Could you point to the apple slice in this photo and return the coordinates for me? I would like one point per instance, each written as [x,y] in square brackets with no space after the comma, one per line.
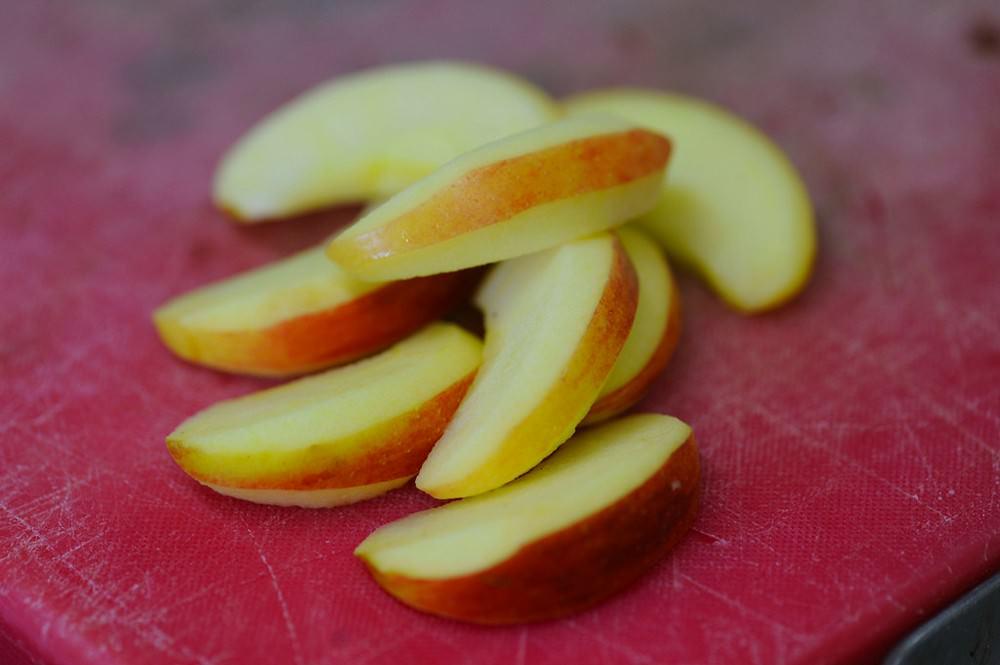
[582,526]
[300,314]
[368,135]
[515,196]
[734,209]
[336,437]
[555,323]
[654,334]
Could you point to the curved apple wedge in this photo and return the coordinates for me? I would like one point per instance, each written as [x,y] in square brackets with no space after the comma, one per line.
[300,314]
[734,208]
[654,334]
[540,548]
[368,135]
[518,195]
[336,437]
[555,323]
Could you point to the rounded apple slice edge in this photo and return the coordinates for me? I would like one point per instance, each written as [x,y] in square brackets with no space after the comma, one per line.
[300,314]
[369,134]
[734,209]
[539,547]
[357,429]
[555,324]
[655,330]
[516,196]
[322,498]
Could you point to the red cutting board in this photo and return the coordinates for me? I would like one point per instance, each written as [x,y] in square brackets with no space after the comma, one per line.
[850,442]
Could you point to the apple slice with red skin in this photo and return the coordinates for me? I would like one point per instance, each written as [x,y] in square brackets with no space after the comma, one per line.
[555,324]
[512,197]
[542,547]
[335,437]
[301,314]
[370,134]
[655,330]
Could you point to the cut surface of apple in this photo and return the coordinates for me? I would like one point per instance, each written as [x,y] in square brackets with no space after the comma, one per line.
[512,197]
[300,314]
[368,135]
[314,498]
[555,323]
[655,330]
[734,208]
[359,429]
[583,525]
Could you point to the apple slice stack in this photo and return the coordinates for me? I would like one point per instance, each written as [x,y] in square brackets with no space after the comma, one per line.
[580,313]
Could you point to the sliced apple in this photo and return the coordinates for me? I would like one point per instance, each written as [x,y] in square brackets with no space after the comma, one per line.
[582,526]
[515,196]
[335,437]
[555,323]
[654,334]
[368,135]
[734,208]
[311,498]
[301,314]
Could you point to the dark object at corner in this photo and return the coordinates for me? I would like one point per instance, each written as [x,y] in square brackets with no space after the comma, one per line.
[966,633]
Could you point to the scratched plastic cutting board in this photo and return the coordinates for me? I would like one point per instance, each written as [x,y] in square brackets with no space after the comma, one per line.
[851,442]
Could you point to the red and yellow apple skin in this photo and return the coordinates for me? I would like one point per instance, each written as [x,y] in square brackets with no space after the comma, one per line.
[300,314]
[392,450]
[627,395]
[553,419]
[583,376]
[655,330]
[369,134]
[336,437]
[520,183]
[513,197]
[575,568]
[332,336]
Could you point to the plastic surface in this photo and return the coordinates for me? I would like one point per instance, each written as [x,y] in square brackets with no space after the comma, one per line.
[851,442]
[966,632]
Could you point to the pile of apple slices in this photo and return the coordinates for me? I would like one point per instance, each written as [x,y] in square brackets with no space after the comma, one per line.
[580,314]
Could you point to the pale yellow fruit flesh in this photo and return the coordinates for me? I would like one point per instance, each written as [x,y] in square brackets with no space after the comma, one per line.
[733,206]
[318,498]
[368,135]
[537,310]
[262,434]
[656,291]
[593,471]
[306,282]
[537,228]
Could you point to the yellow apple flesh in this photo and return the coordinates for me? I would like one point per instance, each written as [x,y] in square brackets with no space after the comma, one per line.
[300,314]
[654,334]
[555,324]
[518,195]
[582,526]
[338,436]
[370,134]
[734,208]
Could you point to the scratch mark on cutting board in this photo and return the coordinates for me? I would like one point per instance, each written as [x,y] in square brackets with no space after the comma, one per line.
[907,382]
[383,647]
[743,609]
[522,645]
[293,634]
[812,441]
[633,657]
[155,636]
[209,588]
[946,416]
